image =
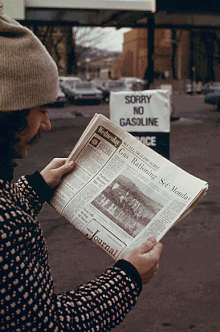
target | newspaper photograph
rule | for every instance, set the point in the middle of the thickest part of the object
(121, 192)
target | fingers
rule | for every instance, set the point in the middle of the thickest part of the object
(69, 164)
(66, 167)
(156, 251)
(153, 256)
(53, 172)
(151, 249)
(57, 162)
(60, 161)
(156, 268)
(149, 274)
(145, 258)
(146, 246)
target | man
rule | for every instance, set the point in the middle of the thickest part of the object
(28, 83)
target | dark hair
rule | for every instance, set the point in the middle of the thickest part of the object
(11, 123)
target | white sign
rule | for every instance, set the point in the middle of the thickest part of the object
(167, 87)
(141, 111)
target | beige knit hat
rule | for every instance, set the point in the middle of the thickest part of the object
(28, 74)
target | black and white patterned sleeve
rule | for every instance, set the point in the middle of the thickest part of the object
(103, 303)
(28, 301)
(34, 189)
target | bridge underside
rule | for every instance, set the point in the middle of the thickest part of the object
(90, 17)
(120, 18)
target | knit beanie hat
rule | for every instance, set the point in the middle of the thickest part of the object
(28, 74)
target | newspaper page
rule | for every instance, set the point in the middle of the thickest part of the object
(121, 192)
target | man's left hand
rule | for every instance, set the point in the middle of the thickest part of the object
(54, 171)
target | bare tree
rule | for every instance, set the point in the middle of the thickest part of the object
(68, 44)
(52, 37)
(88, 36)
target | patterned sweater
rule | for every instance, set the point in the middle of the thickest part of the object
(28, 301)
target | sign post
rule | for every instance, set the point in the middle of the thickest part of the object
(145, 115)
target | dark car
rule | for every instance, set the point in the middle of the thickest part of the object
(83, 92)
(213, 98)
(111, 86)
(61, 99)
(66, 84)
(210, 87)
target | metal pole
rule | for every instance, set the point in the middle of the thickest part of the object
(150, 27)
(192, 59)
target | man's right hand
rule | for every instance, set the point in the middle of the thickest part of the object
(145, 259)
(54, 171)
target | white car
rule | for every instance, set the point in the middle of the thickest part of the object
(133, 83)
(193, 87)
(68, 81)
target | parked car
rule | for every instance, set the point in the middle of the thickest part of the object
(210, 87)
(133, 83)
(97, 82)
(83, 91)
(193, 87)
(63, 80)
(61, 99)
(81, 77)
(110, 86)
(67, 83)
(213, 98)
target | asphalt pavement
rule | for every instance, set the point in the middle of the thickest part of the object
(184, 294)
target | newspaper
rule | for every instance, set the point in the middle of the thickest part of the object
(121, 192)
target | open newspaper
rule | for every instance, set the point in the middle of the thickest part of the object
(121, 192)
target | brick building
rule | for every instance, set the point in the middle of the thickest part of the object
(197, 55)
(133, 61)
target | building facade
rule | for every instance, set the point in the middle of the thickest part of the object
(178, 54)
(134, 59)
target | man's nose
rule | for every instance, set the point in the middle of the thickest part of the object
(46, 124)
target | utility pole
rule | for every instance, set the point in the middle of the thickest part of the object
(150, 27)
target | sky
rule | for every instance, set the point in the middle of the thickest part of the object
(113, 40)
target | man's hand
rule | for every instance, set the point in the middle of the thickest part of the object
(54, 171)
(145, 259)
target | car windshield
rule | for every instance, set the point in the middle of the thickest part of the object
(84, 86)
(71, 83)
(116, 84)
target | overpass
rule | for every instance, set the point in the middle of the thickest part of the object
(117, 13)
